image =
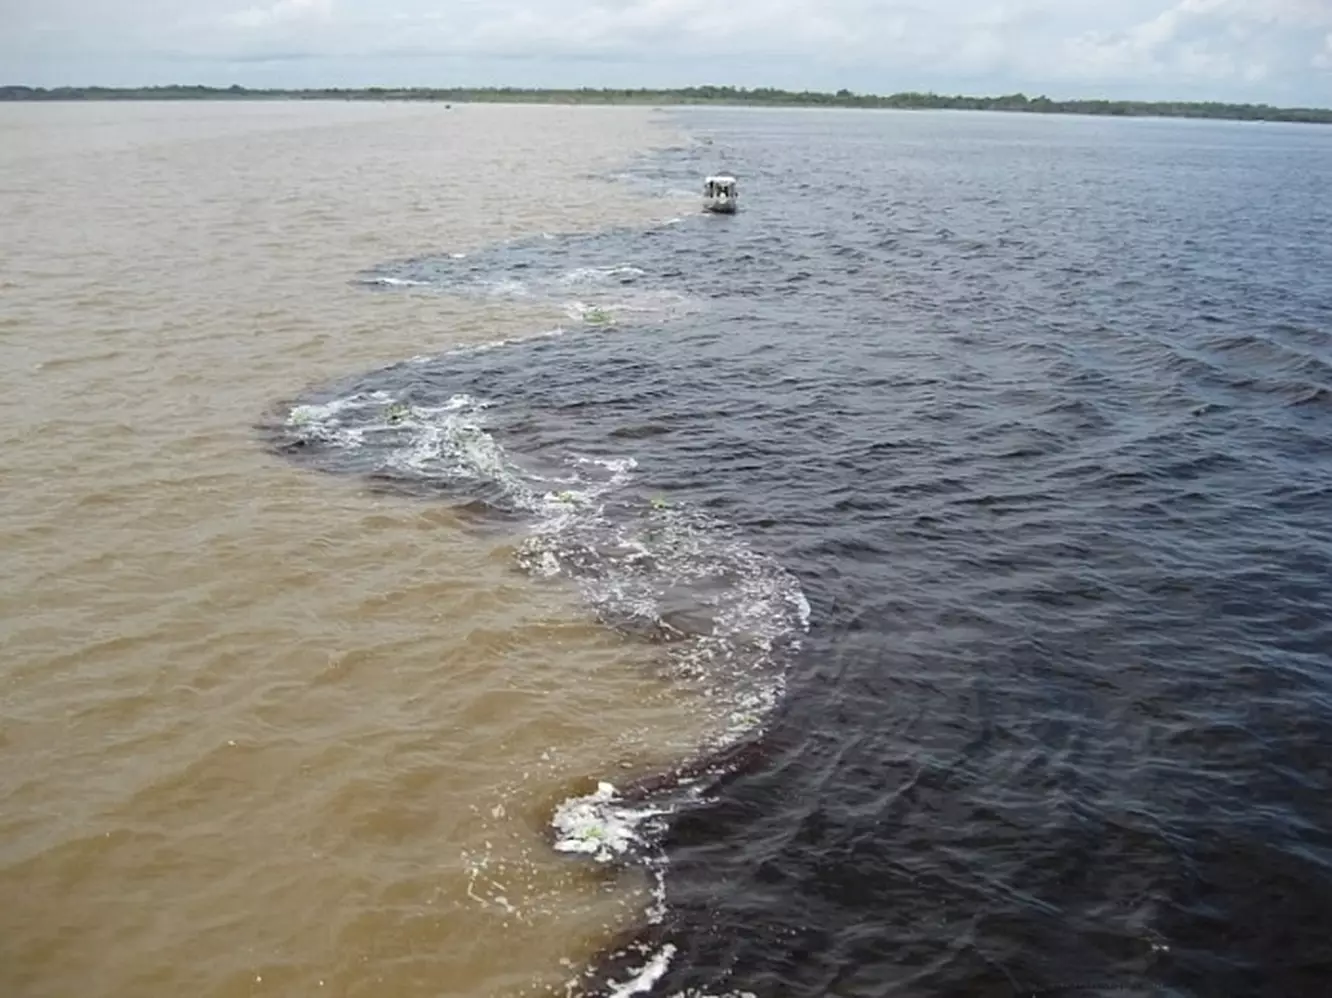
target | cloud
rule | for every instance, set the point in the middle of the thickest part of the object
(1230, 49)
(1323, 59)
(1204, 41)
(283, 10)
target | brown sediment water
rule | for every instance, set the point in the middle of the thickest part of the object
(264, 731)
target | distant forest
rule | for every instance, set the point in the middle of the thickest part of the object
(762, 97)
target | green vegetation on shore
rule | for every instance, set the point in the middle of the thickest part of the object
(762, 97)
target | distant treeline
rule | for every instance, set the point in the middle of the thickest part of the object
(764, 96)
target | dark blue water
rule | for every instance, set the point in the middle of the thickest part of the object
(1037, 416)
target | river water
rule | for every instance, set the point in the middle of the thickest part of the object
(264, 733)
(447, 563)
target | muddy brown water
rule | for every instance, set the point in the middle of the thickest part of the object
(266, 732)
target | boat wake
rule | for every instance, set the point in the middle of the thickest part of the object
(725, 617)
(585, 280)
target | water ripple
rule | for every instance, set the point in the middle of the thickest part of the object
(1036, 413)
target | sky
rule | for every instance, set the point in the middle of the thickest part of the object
(1278, 51)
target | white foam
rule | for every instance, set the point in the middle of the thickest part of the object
(731, 613)
(599, 275)
(488, 345)
(503, 287)
(325, 421)
(398, 282)
(618, 466)
(632, 302)
(316, 413)
(646, 976)
(601, 825)
(590, 313)
(614, 286)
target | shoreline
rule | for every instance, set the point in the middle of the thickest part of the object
(706, 96)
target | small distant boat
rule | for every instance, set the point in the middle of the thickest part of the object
(719, 195)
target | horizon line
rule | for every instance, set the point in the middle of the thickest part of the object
(705, 93)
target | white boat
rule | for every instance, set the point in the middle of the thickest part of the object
(719, 195)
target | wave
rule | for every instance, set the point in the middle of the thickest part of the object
(397, 282)
(593, 294)
(600, 275)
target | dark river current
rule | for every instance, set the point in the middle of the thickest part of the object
(980, 469)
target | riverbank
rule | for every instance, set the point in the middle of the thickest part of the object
(726, 96)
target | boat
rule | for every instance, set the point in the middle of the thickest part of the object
(719, 195)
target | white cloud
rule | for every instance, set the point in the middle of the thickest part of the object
(283, 10)
(1323, 59)
(1199, 41)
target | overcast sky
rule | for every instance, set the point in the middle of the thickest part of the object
(1274, 50)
